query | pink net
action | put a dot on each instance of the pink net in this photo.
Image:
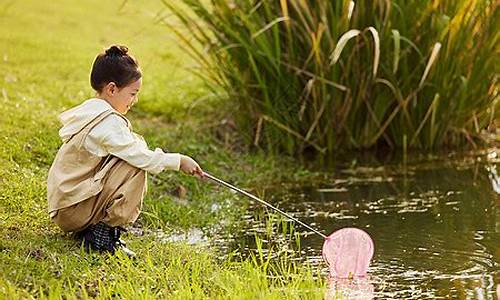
(348, 253)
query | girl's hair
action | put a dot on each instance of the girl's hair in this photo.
(114, 65)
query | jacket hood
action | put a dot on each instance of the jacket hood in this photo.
(76, 118)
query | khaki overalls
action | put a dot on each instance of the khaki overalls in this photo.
(84, 189)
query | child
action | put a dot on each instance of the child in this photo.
(97, 181)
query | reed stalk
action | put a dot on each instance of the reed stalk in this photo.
(330, 75)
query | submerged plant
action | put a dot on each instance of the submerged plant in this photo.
(353, 74)
(277, 253)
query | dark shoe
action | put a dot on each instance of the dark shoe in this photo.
(104, 238)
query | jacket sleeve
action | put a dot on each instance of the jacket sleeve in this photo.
(112, 136)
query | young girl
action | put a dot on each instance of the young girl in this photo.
(97, 181)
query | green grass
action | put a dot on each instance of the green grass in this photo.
(46, 50)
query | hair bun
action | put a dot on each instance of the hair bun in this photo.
(116, 51)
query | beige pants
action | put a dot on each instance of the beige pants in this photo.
(118, 204)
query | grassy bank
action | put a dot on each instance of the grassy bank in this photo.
(46, 50)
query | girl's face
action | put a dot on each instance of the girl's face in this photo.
(122, 99)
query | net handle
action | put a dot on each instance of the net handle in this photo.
(222, 182)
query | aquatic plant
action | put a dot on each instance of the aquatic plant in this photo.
(325, 75)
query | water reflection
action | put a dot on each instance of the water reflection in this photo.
(435, 223)
(359, 289)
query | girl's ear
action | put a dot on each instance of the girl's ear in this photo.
(111, 88)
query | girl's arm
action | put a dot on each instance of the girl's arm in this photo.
(112, 136)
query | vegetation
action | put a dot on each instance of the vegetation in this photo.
(46, 49)
(326, 75)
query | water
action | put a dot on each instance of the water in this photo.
(435, 223)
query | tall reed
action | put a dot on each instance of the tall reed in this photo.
(325, 75)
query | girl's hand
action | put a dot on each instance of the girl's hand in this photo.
(190, 166)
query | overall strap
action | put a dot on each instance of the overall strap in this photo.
(82, 134)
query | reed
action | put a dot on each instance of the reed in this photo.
(329, 75)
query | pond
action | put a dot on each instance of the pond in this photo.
(435, 222)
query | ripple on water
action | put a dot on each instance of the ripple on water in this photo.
(436, 229)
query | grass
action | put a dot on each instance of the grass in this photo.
(46, 50)
(334, 75)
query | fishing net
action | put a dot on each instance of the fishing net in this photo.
(348, 253)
